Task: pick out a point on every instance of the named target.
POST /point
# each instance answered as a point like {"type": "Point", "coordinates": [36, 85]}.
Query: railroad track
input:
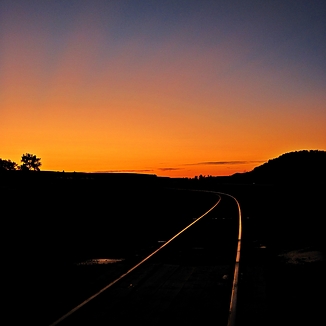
{"type": "Point", "coordinates": [191, 278]}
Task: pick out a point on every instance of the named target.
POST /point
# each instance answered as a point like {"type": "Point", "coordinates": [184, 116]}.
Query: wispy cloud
{"type": "Point", "coordinates": [225, 162]}
{"type": "Point", "coordinates": [169, 169]}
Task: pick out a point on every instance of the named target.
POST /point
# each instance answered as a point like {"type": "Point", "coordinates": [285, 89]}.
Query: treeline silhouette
{"type": "Point", "coordinates": [55, 219]}
{"type": "Point", "coordinates": [30, 162]}
{"type": "Point", "coordinates": [306, 166]}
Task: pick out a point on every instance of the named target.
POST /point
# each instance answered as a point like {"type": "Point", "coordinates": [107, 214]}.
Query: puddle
{"type": "Point", "coordinates": [302, 256]}
{"type": "Point", "coordinates": [100, 261]}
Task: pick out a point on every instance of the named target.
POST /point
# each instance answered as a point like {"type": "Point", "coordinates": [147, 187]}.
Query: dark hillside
{"type": "Point", "coordinates": [295, 167]}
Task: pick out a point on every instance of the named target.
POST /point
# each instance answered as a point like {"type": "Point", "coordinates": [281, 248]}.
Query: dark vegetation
{"type": "Point", "coordinates": [53, 220]}
{"type": "Point", "coordinates": [29, 163]}
{"type": "Point", "coordinates": [295, 167]}
{"type": "Point", "coordinates": [300, 167]}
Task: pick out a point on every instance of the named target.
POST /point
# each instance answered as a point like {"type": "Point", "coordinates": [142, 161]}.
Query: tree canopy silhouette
{"type": "Point", "coordinates": [30, 162]}
{"type": "Point", "coordinates": [7, 165]}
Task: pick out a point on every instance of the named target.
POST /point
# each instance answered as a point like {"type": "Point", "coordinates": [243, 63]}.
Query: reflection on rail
{"type": "Point", "coordinates": [234, 294]}
{"type": "Point", "coordinates": [133, 268]}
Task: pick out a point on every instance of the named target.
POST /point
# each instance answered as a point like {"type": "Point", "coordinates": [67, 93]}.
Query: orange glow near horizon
{"type": "Point", "coordinates": [86, 101]}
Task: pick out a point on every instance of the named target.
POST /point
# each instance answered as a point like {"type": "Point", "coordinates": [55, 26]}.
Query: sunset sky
{"type": "Point", "coordinates": [175, 88]}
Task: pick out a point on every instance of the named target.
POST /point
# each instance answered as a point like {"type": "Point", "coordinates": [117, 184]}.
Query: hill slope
{"type": "Point", "coordinates": [295, 167]}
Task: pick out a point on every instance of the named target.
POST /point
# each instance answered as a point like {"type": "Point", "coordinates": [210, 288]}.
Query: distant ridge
{"type": "Point", "coordinates": [306, 166]}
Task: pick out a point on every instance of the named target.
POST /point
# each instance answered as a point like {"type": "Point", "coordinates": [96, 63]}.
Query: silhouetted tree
{"type": "Point", "coordinates": [30, 162]}
{"type": "Point", "coordinates": [7, 165]}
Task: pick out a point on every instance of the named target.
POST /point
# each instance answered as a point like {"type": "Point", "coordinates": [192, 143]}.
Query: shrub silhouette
{"type": "Point", "coordinates": [7, 165]}
{"type": "Point", "coordinates": [30, 162]}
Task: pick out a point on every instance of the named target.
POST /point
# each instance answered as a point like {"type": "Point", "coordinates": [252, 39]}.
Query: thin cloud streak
{"type": "Point", "coordinates": [169, 169]}
{"type": "Point", "coordinates": [225, 162]}
{"type": "Point", "coordinates": [124, 171]}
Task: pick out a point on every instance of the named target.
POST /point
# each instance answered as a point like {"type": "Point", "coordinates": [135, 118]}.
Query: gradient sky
{"type": "Point", "coordinates": [175, 88]}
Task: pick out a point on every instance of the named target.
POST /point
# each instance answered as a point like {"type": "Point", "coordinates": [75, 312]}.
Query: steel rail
{"type": "Point", "coordinates": [133, 268]}
{"type": "Point", "coordinates": [235, 284]}
{"type": "Point", "coordinates": [234, 293]}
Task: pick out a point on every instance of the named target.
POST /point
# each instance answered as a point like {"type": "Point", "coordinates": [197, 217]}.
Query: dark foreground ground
{"type": "Point", "coordinates": [49, 225]}
{"type": "Point", "coordinates": [283, 258]}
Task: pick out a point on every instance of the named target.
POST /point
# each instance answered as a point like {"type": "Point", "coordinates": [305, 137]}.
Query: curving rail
{"type": "Point", "coordinates": [133, 268]}
{"type": "Point", "coordinates": [234, 294]}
